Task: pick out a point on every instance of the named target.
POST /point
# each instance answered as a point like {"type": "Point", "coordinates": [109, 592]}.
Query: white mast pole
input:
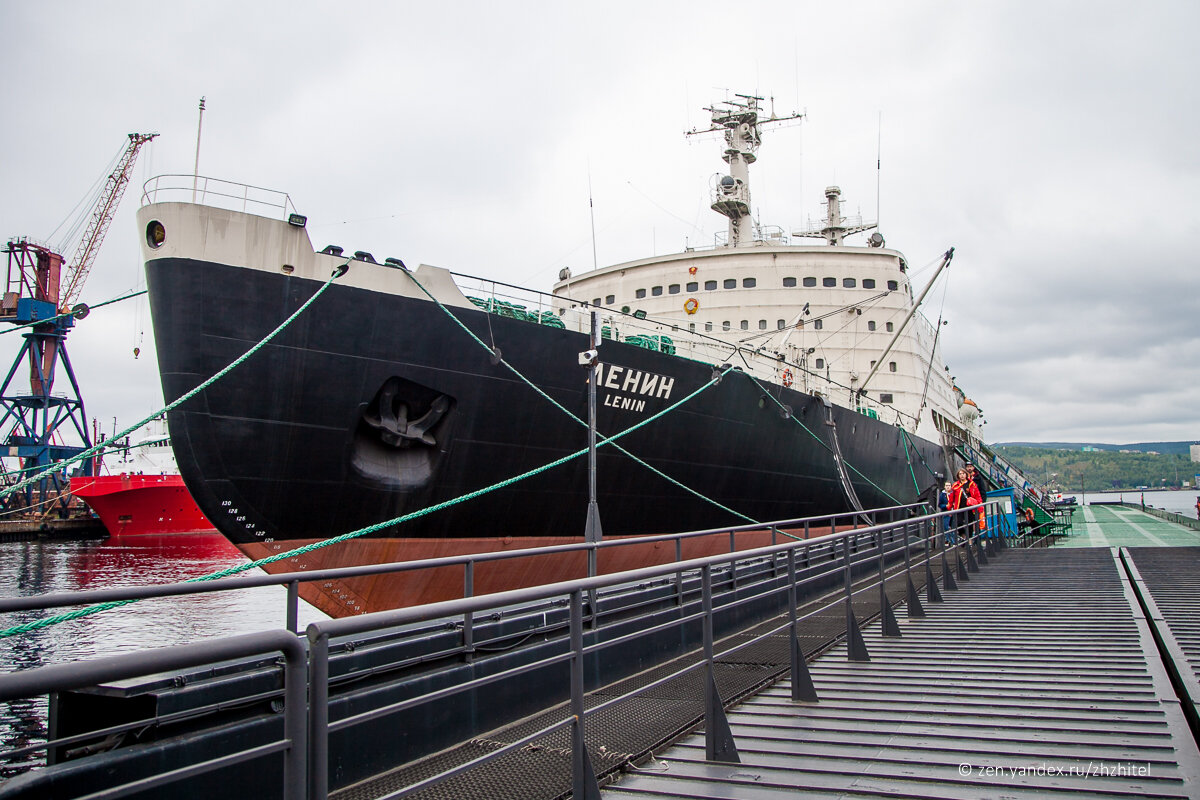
{"type": "Point", "coordinates": [196, 169]}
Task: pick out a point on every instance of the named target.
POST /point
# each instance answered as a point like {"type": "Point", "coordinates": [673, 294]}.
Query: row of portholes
{"type": "Point", "coordinates": [747, 283]}
{"type": "Point", "coordinates": [780, 324]}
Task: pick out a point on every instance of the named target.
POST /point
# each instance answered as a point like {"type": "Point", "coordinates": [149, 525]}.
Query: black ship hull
{"type": "Point", "coordinates": [371, 406]}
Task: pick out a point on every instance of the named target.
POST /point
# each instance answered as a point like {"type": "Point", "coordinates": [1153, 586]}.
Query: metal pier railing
{"type": "Point", "coordinates": [658, 651]}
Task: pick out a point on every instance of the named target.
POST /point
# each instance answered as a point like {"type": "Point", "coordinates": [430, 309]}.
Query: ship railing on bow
{"type": "Point", "coordinates": [218, 193]}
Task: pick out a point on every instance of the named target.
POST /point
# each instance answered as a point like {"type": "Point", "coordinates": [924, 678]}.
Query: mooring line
{"type": "Point", "coordinates": [65, 314]}
{"type": "Point", "coordinates": [565, 410]}
{"type": "Point", "coordinates": [83, 612]}
{"type": "Point", "coordinates": [62, 465]}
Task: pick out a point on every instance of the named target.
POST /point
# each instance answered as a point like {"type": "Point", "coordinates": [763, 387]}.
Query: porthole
{"type": "Point", "coordinates": [156, 234]}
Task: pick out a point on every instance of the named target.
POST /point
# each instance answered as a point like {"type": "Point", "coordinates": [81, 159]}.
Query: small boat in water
{"type": "Point", "coordinates": [813, 385]}
{"type": "Point", "coordinates": [147, 495]}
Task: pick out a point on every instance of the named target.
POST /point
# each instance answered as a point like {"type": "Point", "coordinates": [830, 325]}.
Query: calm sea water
{"type": "Point", "coordinates": [1181, 502]}
{"type": "Point", "coordinates": [41, 567]}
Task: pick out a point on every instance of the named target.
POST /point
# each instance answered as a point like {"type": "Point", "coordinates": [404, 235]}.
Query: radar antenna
{"type": "Point", "coordinates": [741, 120]}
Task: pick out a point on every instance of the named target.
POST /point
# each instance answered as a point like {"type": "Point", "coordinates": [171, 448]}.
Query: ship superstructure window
{"type": "Point", "coordinates": [788, 283]}
{"type": "Point", "coordinates": [731, 283]}
{"type": "Point", "coordinates": [818, 324]}
{"type": "Point", "coordinates": [829, 281]}
{"type": "Point", "coordinates": [710, 285]}
{"type": "Point", "coordinates": [656, 291]}
{"type": "Point", "coordinates": [612, 298]}
{"type": "Point", "coordinates": [780, 324]}
{"type": "Point", "coordinates": [893, 285]}
{"type": "Point", "coordinates": [889, 327]}
{"type": "Point", "coordinates": [692, 327]}
{"type": "Point", "coordinates": [673, 288]}
{"type": "Point", "coordinates": [640, 293]}
{"type": "Point", "coordinates": [762, 324]}
{"type": "Point", "coordinates": [596, 301]}
{"type": "Point", "coordinates": [810, 282]}
{"type": "Point", "coordinates": [725, 325]}
{"type": "Point", "coordinates": [891, 366]}
{"type": "Point", "coordinates": [868, 283]}
{"type": "Point", "coordinates": [693, 286]}
{"type": "Point", "coordinates": [885, 398]}
{"type": "Point", "coordinates": [745, 324]}
{"type": "Point", "coordinates": [748, 283]}
{"type": "Point", "coordinates": [871, 325]}
{"type": "Point", "coordinates": [708, 327]}
{"type": "Point", "coordinates": [820, 363]}
{"type": "Point", "coordinates": [849, 283]}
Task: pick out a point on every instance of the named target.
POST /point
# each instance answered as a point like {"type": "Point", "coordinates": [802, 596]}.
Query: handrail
{"type": "Point", "coordinates": [884, 541]}
{"type": "Point", "coordinates": [215, 192]}
{"type": "Point", "coordinates": [62, 599]}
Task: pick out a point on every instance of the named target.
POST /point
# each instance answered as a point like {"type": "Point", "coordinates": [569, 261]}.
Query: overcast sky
{"type": "Point", "coordinates": [1053, 144]}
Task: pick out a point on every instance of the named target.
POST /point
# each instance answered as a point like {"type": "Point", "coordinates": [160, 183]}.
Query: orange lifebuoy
{"type": "Point", "coordinates": [691, 270]}
{"type": "Point", "coordinates": [787, 378]}
{"type": "Point", "coordinates": [691, 305]}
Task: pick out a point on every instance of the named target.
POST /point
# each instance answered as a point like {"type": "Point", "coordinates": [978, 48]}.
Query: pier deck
{"type": "Point", "coordinates": [1041, 677]}
{"type": "Point", "coordinates": [1125, 526]}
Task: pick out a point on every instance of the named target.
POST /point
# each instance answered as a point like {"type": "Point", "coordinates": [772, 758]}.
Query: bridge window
{"type": "Point", "coordinates": [731, 283]}
{"type": "Point", "coordinates": [693, 287]}
{"type": "Point", "coordinates": [789, 283]}
{"type": "Point", "coordinates": [868, 283]}
{"type": "Point", "coordinates": [749, 283]}
{"type": "Point", "coordinates": [596, 301]}
{"type": "Point", "coordinates": [810, 282]}
{"type": "Point", "coordinates": [829, 281]}
{"type": "Point", "coordinates": [710, 285]}
{"type": "Point", "coordinates": [612, 298]}
{"type": "Point", "coordinates": [893, 285]}
{"type": "Point", "coordinates": [640, 293]}
{"type": "Point", "coordinates": [656, 291]}
{"type": "Point", "coordinates": [673, 288]}
{"type": "Point", "coordinates": [849, 283]}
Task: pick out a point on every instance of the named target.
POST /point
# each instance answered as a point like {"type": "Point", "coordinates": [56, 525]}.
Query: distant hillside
{"type": "Point", "coordinates": [1066, 466]}
{"type": "Point", "coordinates": [1166, 448]}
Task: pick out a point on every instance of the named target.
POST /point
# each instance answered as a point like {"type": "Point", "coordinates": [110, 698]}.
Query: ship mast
{"type": "Point", "coordinates": [740, 120]}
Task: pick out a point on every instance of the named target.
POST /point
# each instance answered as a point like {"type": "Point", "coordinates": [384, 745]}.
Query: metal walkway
{"type": "Point", "coordinates": [1040, 677]}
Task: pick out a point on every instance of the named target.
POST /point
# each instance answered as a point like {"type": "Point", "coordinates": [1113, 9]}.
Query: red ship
{"type": "Point", "coordinates": [141, 505]}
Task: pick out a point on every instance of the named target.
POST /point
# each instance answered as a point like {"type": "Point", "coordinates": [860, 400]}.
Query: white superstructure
{"type": "Point", "coordinates": [818, 318]}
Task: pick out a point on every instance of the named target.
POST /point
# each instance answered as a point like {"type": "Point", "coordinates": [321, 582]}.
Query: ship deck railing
{"type": "Point", "coordinates": [699, 597]}
{"type": "Point", "coordinates": [635, 328]}
{"type": "Point", "coordinates": [218, 193]}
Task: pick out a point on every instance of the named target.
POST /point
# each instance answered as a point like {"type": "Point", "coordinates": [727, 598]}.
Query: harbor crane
{"type": "Point", "coordinates": [38, 295]}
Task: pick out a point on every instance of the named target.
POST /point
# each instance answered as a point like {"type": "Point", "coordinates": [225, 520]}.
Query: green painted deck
{"type": "Point", "coordinates": [1125, 526]}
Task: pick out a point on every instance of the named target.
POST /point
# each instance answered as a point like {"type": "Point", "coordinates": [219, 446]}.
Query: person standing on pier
{"type": "Point", "coordinates": [957, 499]}
{"type": "Point", "coordinates": [1198, 508]}
{"type": "Point", "coordinates": [944, 505]}
{"type": "Point", "coordinates": [978, 495]}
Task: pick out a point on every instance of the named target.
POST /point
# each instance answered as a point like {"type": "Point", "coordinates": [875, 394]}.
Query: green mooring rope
{"type": "Point", "coordinates": [568, 412]}
{"type": "Point", "coordinates": [57, 317]}
{"type": "Point", "coordinates": [170, 406]}
{"type": "Point", "coordinates": [83, 612]}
